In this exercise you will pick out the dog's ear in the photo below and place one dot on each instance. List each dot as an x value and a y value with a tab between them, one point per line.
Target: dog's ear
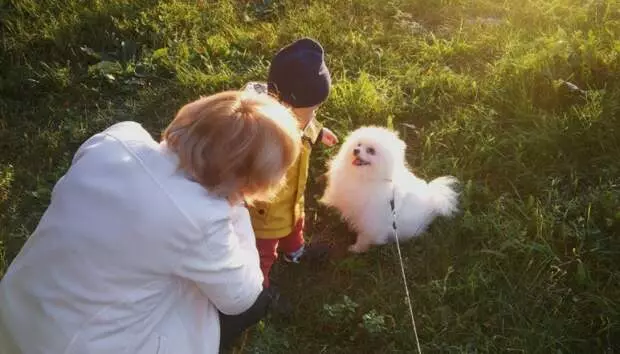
402	145
399	143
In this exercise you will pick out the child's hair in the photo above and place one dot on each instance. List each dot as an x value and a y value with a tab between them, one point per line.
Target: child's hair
236	144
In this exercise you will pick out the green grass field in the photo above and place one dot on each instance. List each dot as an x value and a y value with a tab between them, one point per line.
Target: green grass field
519	99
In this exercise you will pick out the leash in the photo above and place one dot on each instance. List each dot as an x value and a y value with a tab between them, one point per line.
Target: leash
402	269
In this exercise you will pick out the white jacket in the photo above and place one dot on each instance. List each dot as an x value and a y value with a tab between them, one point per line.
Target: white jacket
130	257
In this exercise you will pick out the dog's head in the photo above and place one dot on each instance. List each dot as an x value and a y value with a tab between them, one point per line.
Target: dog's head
374	152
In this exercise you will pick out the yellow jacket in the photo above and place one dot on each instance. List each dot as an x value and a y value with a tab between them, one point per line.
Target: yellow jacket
277	218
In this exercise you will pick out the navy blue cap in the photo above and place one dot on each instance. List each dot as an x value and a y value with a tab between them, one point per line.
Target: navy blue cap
298	75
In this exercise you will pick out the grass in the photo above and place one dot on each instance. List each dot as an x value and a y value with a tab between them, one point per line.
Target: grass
518	99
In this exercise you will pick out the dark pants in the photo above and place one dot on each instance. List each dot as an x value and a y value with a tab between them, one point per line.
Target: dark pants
232	326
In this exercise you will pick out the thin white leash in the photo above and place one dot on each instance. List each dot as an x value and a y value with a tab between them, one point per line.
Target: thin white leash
402	269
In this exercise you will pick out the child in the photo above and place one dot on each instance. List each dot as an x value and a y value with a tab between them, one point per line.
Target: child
299	78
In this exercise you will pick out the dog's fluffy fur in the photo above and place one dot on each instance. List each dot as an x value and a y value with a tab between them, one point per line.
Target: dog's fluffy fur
368	171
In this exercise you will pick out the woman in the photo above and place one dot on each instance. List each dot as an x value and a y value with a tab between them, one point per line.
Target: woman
145	246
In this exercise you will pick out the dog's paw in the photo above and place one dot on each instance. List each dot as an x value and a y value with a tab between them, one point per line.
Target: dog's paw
358	248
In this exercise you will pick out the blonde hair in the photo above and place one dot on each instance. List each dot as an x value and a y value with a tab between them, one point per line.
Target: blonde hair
237	144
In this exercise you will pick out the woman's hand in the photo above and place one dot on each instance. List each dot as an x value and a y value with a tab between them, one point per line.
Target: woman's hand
328	137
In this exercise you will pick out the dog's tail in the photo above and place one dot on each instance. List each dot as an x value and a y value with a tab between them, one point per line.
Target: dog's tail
443	196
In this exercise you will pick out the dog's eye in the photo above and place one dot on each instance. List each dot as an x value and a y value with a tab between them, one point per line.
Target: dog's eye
370	151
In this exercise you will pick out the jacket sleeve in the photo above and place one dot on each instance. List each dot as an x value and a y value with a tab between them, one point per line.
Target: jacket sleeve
313	131
225	264
126	128
91	142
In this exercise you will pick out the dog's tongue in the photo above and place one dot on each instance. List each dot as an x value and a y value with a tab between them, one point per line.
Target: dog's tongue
357	161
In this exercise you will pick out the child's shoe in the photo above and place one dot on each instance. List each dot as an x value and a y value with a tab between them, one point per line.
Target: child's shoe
309	253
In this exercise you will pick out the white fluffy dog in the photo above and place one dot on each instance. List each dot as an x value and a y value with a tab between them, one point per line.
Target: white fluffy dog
368	173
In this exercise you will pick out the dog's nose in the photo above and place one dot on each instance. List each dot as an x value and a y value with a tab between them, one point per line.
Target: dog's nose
356	152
